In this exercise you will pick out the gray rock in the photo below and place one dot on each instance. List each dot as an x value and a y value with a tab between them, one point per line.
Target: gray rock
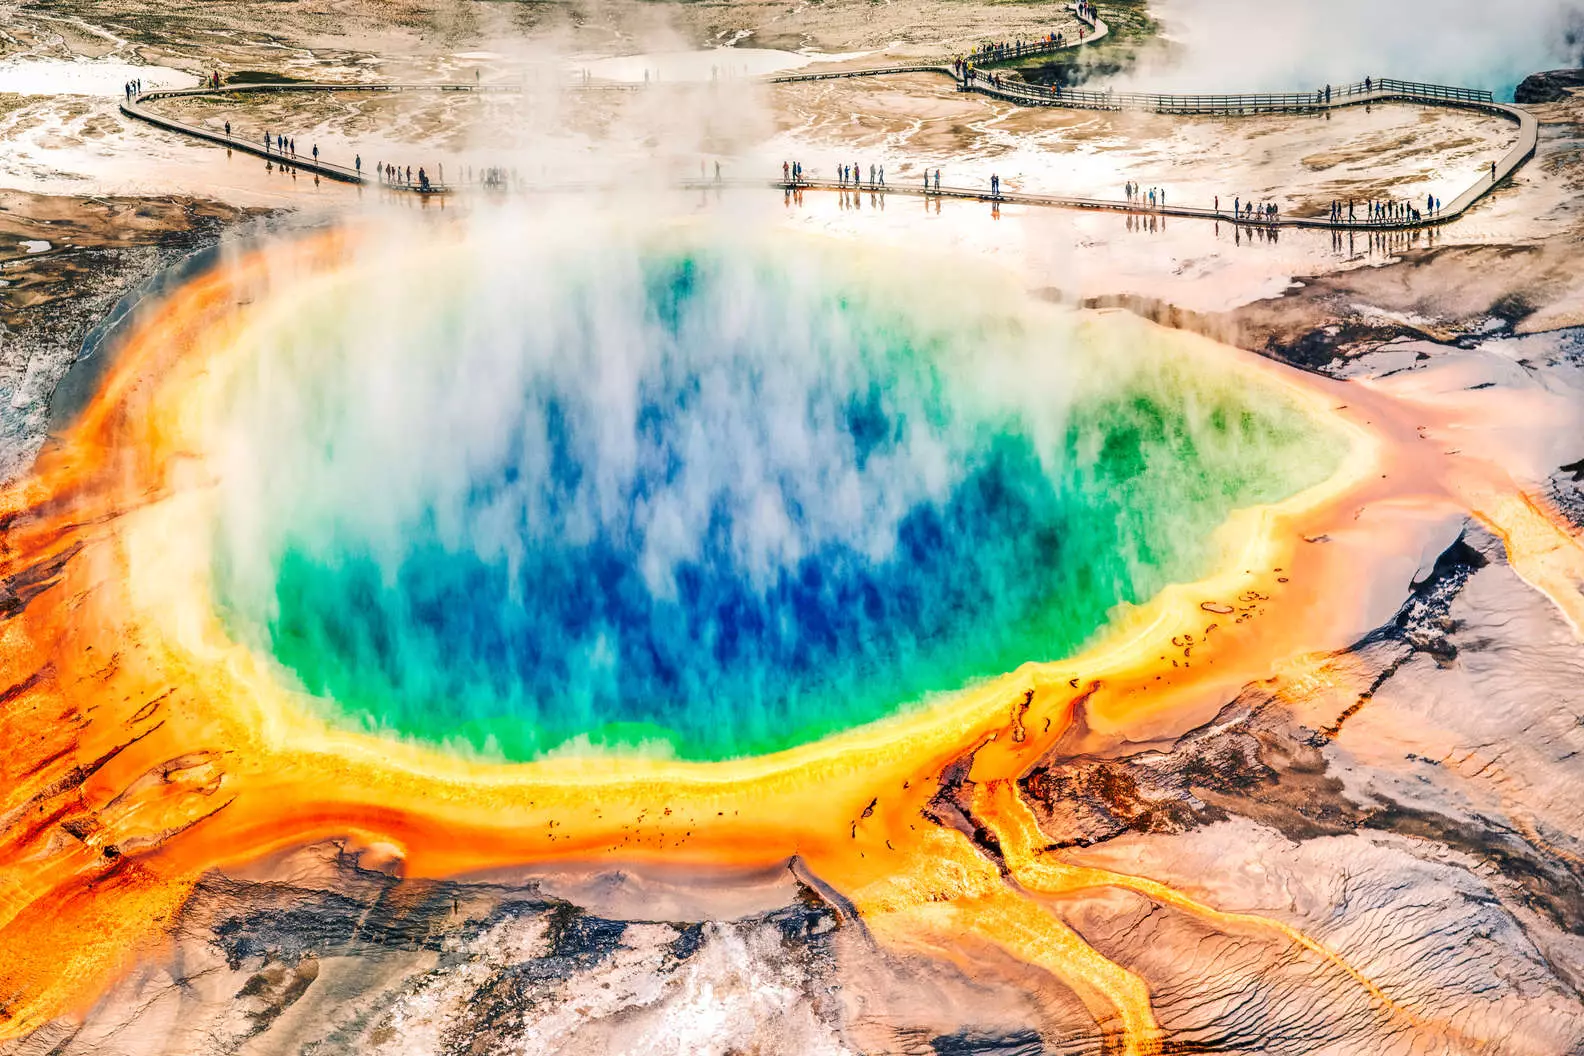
1551	86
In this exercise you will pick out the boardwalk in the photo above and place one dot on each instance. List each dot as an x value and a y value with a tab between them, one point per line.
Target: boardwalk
1011	90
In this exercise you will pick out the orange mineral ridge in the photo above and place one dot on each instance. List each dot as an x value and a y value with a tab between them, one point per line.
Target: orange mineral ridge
143	747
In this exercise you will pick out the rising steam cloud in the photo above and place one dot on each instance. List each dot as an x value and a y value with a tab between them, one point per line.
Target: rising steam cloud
561	480
1253	45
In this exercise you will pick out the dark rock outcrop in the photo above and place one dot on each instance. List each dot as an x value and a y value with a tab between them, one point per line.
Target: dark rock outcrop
1551	86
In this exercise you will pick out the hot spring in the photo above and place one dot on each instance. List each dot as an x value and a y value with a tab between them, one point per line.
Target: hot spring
703	496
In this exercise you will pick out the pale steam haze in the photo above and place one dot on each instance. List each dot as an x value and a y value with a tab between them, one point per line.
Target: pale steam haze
1255	45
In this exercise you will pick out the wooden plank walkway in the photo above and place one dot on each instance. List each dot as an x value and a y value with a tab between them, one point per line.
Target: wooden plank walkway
1014	91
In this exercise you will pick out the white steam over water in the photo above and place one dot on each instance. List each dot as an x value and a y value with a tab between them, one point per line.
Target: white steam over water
1256	45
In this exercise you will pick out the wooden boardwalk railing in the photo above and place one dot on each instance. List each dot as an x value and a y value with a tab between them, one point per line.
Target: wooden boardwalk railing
1011	90
1329	97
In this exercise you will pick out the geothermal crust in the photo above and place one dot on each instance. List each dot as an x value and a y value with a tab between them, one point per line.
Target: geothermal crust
1358	833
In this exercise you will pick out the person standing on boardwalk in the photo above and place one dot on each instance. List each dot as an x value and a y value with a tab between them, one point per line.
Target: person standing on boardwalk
228	130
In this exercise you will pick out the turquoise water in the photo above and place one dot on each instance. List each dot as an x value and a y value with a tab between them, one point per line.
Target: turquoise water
709	502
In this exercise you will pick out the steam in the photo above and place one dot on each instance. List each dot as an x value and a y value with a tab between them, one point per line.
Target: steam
1249	45
553	482
512	395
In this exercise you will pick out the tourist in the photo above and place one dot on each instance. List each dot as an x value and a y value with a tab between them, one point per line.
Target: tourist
882	177
228	129
316	153
357	163
937	181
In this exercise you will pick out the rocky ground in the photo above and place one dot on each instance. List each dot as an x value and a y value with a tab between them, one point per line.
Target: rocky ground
335	954
1411	801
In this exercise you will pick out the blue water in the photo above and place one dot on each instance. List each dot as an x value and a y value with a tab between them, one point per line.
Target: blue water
794	509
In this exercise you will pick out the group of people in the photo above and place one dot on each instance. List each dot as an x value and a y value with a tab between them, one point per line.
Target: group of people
135	86
1378	210
1250	213
994	80
853	175
396	176
285	146
999	51
1012	49
1152	197
492	176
